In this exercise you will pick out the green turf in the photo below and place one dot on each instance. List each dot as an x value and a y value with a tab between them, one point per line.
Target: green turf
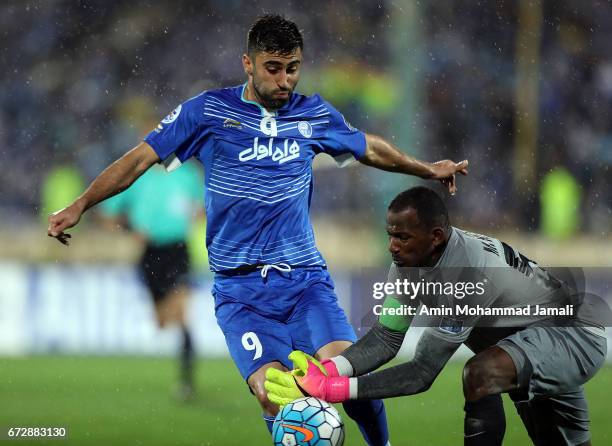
128	401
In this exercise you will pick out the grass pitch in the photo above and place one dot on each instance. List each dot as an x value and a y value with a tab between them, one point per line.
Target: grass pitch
129	401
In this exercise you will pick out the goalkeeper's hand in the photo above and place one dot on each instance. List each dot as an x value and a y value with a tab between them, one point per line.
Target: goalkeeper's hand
316	379
281	386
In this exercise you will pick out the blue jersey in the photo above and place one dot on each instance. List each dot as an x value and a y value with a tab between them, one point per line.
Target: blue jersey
258	171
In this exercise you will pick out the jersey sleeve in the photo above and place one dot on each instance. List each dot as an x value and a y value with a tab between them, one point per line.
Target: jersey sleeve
409	378
179	135
341	140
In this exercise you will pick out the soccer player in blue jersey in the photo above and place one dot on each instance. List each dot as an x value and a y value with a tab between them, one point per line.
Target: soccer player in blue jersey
257	142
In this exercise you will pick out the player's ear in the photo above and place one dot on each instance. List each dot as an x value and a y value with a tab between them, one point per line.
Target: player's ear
247	64
438	236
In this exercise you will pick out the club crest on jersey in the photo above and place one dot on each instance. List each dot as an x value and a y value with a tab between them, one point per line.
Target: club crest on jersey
452	326
305	129
286	152
172	116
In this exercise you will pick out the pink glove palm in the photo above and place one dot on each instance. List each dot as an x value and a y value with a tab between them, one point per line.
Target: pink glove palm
320	380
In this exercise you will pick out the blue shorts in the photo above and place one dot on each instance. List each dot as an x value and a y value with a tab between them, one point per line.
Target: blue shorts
264	319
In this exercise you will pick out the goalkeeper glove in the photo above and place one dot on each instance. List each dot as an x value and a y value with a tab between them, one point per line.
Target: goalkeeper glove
317	379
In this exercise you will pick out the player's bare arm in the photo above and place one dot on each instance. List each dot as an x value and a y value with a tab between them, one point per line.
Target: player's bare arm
385	156
114	179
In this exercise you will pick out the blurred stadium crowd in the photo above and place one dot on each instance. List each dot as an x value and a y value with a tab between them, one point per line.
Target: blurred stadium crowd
83	81
471	78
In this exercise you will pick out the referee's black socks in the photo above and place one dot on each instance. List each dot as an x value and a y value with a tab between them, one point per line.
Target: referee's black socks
187	358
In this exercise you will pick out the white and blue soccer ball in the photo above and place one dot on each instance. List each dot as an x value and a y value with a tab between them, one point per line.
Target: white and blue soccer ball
308	422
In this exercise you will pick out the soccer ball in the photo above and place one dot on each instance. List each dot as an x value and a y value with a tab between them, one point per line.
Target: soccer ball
308	422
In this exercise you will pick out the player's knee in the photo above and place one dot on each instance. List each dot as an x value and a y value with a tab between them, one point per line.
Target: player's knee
476	380
488	373
261	394
161	319
256	383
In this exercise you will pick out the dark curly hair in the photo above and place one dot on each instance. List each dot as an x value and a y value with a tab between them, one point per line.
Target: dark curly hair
274	34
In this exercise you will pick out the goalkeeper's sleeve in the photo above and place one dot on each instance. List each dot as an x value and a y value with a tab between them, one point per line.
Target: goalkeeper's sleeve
431	355
378	346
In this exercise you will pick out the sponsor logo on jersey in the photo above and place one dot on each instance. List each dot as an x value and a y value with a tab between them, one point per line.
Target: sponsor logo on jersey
288	150
172	116
232	123
305	129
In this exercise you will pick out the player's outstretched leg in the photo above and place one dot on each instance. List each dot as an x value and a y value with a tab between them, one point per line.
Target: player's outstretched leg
256	383
371	418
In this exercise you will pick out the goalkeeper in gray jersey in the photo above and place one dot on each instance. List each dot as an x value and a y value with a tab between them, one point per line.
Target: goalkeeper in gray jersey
533	336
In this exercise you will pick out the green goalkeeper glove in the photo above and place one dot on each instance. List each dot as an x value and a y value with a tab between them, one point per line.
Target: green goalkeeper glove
281	386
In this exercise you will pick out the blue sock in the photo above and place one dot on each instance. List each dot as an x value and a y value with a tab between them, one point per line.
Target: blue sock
371	418
269	419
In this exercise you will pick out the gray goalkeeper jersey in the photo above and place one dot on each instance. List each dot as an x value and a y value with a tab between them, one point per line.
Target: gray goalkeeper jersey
507	289
509	281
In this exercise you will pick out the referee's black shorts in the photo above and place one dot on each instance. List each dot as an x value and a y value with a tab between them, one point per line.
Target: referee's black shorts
164	267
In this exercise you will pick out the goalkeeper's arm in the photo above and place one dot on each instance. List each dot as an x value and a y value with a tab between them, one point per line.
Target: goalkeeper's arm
380	345
332	380
377	347
416	376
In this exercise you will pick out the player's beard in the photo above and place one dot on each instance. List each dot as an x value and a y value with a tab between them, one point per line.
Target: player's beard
268	100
